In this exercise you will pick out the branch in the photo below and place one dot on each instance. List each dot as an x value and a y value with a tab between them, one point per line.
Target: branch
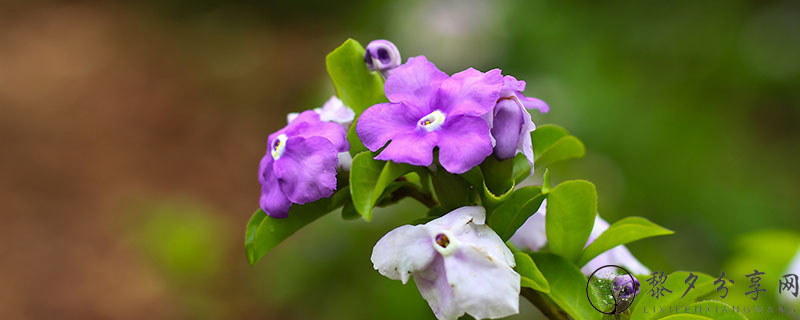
544	304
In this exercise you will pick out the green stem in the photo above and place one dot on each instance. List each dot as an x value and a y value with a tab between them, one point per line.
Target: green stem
544	304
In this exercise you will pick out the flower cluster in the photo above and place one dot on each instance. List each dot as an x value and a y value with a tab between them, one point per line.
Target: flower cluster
301	159
466	116
424	144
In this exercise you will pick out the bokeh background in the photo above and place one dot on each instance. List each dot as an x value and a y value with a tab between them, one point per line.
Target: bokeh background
131	133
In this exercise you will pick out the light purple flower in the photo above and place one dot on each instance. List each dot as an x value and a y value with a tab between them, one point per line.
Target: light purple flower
459	264
625	287
510	122
333	110
300	164
428	109
383	56
532	236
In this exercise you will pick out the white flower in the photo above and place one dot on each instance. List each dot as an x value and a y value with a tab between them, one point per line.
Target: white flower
532	236
459	264
333	110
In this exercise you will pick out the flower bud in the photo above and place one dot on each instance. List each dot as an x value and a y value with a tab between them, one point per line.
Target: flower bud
383	56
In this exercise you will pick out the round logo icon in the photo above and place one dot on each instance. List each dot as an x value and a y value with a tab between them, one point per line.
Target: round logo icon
611	289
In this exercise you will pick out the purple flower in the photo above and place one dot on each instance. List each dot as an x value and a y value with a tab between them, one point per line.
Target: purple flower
383	56
625	287
333	110
510	122
459	264
300	164
428	109
532	235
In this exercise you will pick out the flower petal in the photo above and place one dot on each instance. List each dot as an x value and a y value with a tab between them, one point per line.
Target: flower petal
402	251
415	148
469	92
272	199
458	218
511	86
525	145
309	124
307	169
507	128
434	287
532	234
384	121
484	284
534	103
414	83
463	143
334	110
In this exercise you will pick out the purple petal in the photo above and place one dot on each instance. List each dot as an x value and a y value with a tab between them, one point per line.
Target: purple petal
334	110
272	199
307	169
511	86
463	143
308	124
414	83
507	126
469	92
382	122
533	103
382	55
414	147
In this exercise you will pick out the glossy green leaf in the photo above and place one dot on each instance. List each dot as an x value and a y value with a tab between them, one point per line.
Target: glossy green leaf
452	190
564	149
356	86
369	178
571	209
349	211
567	284
531	276
515	210
621	232
551	144
645	301
497	174
271	231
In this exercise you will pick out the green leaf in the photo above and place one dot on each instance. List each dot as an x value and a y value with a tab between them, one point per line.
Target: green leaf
271	231
571	210
568	285
531	276
676	283
349	211
250	233
621	232
498	174
546	182
452	190
564	149
356	86
551	144
369	178
515	210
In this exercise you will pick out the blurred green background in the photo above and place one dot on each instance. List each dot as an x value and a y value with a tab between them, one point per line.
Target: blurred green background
131	134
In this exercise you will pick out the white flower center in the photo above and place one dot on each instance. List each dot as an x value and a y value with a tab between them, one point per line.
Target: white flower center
444	242
278	146
433	121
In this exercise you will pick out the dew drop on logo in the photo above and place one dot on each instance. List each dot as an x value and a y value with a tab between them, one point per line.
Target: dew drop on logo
611	289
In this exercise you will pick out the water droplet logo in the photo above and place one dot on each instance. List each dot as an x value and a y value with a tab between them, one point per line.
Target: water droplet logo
611	289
